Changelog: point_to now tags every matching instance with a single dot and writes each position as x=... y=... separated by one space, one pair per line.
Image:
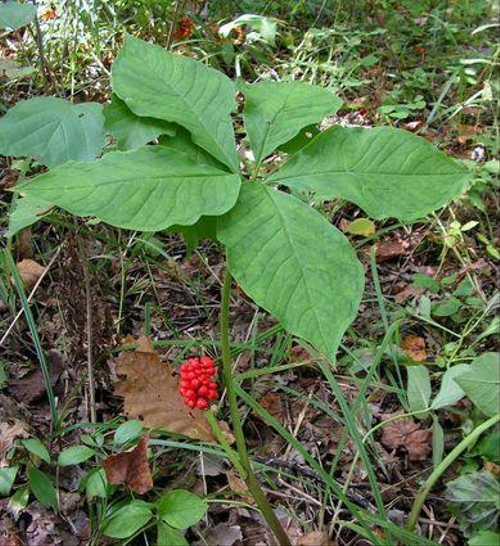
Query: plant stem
x=250 y=478
x=468 y=441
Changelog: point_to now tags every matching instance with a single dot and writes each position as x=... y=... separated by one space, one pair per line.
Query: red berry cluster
x=198 y=386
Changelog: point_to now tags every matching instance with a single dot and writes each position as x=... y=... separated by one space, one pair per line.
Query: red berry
x=202 y=404
x=213 y=395
x=197 y=385
x=203 y=391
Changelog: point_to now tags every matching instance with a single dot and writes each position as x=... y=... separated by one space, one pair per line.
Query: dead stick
x=90 y=359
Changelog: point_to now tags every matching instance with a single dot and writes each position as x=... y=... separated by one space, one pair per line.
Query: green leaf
x=492 y=329
x=447 y=308
x=475 y=498
x=387 y=172
x=158 y=84
x=133 y=131
x=7 y=479
x=127 y=432
x=128 y=519
x=450 y=391
x=14 y=15
x=168 y=536
x=52 y=131
x=428 y=283
x=96 y=484
x=437 y=441
x=361 y=226
x=419 y=388
x=183 y=142
x=75 y=455
x=275 y=112
x=42 y=487
x=4 y=378
x=465 y=288
x=147 y=189
x=19 y=501
x=33 y=445
x=181 y=509
x=303 y=137
x=485 y=538
x=11 y=70
x=481 y=383
x=27 y=211
x=205 y=228
x=294 y=263
x=489 y=447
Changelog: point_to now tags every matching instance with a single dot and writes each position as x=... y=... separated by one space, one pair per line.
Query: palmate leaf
x=292 y=262
x=52 y=131
x=387 y=172
x=147 y=189
x=158 y=84
x=133 y=131
x=275 y=112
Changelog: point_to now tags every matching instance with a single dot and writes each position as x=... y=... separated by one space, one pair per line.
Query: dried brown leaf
x=8 y=435
x=30 y=271
x=10 y=538
x=30 y=388
x=492 y=468
x=222 y=535
x=239 y=487
x=389 y=249
x=408 y=435
x=414 y=347
x=150 y=393
x=131 y=468
x=273 y=404
x=407 y=293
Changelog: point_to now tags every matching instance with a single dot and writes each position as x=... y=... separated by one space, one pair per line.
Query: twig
x=90 y=359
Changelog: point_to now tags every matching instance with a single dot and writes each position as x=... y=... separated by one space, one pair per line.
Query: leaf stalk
x=249 y=476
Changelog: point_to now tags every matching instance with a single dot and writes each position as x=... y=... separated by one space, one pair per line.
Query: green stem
x=250 y=478
x=229 y=451
x=445 y=463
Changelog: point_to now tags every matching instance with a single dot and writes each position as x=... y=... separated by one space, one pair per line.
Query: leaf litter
x=149 y=388
x=131 y=468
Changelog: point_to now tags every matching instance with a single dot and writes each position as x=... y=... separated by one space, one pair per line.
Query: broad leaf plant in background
x=174 y=164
